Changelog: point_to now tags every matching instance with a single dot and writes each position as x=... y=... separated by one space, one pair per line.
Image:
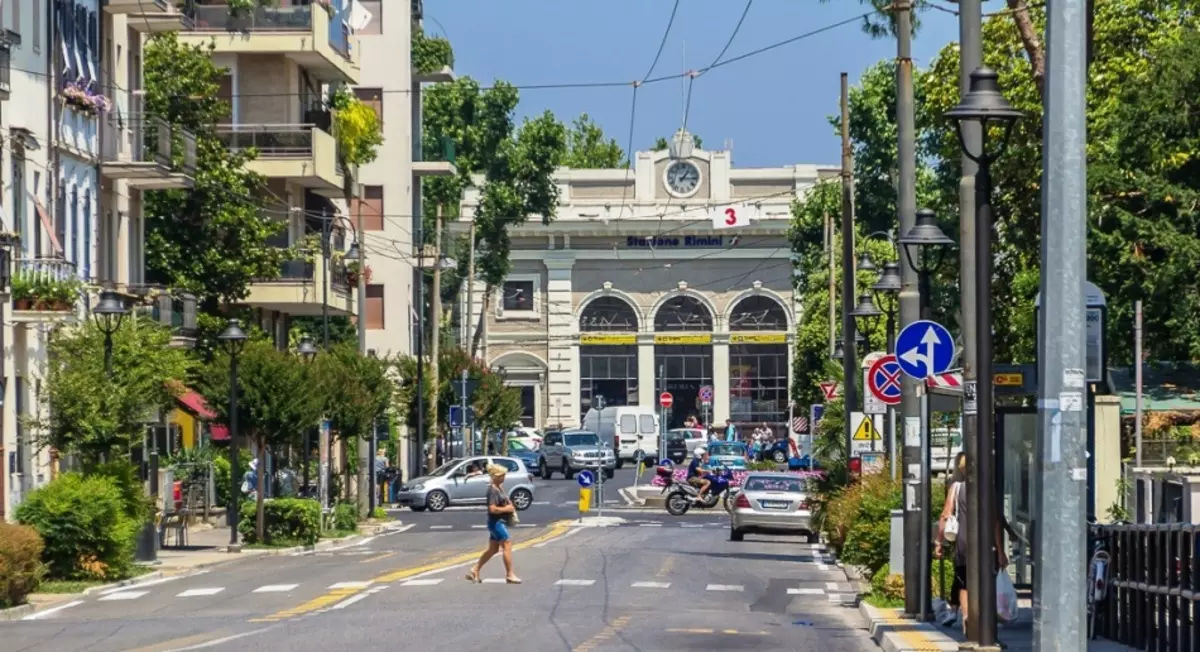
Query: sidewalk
x=894 y=633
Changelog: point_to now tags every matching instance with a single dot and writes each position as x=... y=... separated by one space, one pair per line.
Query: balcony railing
x=5 y=67
x=46 y=269
x=217 y=16
x=45 y=284
x=157 y=140
x=177 y=312
x=270 y=141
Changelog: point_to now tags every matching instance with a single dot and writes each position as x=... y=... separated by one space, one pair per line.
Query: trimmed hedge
x=345 y=516
x=86 y=526
x=21 y=566
x=289 y=521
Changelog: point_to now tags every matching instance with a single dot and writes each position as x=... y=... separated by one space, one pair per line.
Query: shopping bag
x=1007 y=609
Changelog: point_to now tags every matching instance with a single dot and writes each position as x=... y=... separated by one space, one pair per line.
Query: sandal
x=473 y=577
x=512 y=580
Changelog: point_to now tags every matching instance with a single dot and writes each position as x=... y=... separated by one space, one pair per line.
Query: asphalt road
x=651 y=585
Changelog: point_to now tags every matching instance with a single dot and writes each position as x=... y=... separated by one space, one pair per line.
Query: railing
x=46 y=269
x=5 y=68
x=154 y=139
x=270 y=141
x=214 y=16
x=1153 y=598
x=177 y=312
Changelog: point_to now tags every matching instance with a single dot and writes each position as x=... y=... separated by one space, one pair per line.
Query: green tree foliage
x=496 y=406
x=356 y=389
x=277 y=400
x=430 y=53
x=589 y=148
x=94 y=415
x=212 y=239
x=493 y=402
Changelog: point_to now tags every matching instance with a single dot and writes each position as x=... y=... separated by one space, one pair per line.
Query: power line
x=663 y=43
x=732 y=36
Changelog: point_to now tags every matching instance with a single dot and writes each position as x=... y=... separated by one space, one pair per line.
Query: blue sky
x=772 y=106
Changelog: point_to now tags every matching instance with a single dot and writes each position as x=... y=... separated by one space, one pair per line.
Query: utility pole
x=916 y=521
x=849 y=346
x=435 y=318
x=1137 y=382
x=468 y=320
x=1061 y=534
x=832 y=283
x=970 y=37
x=363 y=452
x=418 y=460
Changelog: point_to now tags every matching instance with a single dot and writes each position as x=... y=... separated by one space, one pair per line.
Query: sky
x=772 y=107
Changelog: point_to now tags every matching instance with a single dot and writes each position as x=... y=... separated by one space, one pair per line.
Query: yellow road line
x=605 y=634
x=319 y=602
x=186 y=641
x=383 y=556
x=556 y=530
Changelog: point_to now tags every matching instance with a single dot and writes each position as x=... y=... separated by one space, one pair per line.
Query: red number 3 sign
x=728 y=217
x=731 y=217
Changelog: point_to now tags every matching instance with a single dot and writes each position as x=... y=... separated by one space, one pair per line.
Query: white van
x=630 y=428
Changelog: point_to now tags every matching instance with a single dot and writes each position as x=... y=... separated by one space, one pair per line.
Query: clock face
x=683 y=178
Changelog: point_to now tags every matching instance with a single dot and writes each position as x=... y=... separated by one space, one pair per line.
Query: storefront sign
x=683 y=339
x=1009 y=380
x=670 y=242
x=758 y=338
x=594 y=339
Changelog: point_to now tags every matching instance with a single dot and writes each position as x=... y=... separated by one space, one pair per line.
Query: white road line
x=493 y=580
x=575 y=582
x=650 y=525
x=822 y=567
x=195 y=593
x=352 y=544
x=527 y=525
x=350 y=585
x=349 y=601
x=138 y=585
x=540 y=502
x=222 y=641
x=429 y=582
x=275 y=588
x=441 y=527
x=691 y=525
x=52 y=610
x=806 y=592
x=651 y=585
x=832 y=586
x=124 y=595
x=478 y=527
x=402 y=528
x=725 y=587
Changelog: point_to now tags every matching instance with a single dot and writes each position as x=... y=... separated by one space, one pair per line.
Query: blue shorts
x=498 y=530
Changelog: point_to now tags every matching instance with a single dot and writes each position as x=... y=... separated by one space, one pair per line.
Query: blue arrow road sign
x=586 y=479
x=924 y=348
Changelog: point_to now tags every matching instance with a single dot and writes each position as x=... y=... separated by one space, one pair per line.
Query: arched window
x=683 y=313
x=608 y=314
x=758 y=313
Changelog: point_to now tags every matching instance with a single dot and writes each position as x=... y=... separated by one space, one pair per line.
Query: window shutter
x=372 y=208
x=87 y=236
x=375 y=307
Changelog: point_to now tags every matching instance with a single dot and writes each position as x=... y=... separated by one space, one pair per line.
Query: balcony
x=304 y=154
x=44 y=289
x=438 y=161
x=8 y=39
x=149 y=16
x=148 y=152
x=307 y=34
x=298 y=290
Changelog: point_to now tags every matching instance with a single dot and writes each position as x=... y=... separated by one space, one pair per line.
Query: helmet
x=700 y=451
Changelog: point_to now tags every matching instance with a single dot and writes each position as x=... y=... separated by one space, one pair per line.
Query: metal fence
x=1153 y=601
x=271 y=141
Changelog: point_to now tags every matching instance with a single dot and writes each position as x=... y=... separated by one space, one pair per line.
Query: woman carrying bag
x=950 y=529
x=501 y=514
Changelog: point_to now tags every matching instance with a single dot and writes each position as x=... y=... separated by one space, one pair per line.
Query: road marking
x=124 y=595
x=195 y=593
x=725 y=587
x=806 y=591
x=138 y=585
x=350 y=585
x=53 y=610
x=832 y=586
x=691 y=525
x=822 y=567
x=575 y=582
x=731 y=632
x=604 y=634
x=222 y=641
x=478 y=527
x=349 y=601
x=275 y=588
x=558 y=530
x=378 y=557
x=186 y=640
x=494 y=580
x=527 y=525
x=319 y=602
x=650 y=525
x=429 y=582
x=651 y=585
x=441 y=527
x=540 y=502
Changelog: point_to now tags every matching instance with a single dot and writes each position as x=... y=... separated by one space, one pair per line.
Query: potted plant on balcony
x=44 y=293
x=78 y=95
x=352 y=271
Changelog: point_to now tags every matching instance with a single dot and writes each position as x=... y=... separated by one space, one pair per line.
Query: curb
x=894 y=633
x=16 y=613
x=133 y=581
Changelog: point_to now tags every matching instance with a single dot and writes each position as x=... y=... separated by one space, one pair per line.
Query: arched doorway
x=683 y=355
x=608 y=358
x=758 y=362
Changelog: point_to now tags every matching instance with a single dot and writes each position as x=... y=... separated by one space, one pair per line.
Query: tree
x=99 y=416
x=451 y=363
x=277 y=400
x=588 y=148
x=496 y=406
x=662 y=143
x=214 y=238
x=517 y=166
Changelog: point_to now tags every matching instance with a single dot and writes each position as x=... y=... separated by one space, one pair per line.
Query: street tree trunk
x=1033 y=45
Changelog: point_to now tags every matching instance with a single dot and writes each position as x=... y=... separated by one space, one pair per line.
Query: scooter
x=681 y=496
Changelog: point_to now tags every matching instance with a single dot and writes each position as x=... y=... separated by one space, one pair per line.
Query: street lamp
x=233 y=338
x=865 y=313
x=983 y=104
x=839 y=349
x=886 y=290
x=925 y=245
x=865 y=264
x=109 y=312
x=306 y=349
x=307 y=352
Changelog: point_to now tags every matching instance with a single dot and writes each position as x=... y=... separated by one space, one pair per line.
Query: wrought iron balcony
x=44 y=286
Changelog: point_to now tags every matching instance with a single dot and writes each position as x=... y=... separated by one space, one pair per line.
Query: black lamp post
x=866 y=313
x=307 y=352
x=839 y=349
x=109 y=312
x=886 y=290
x=983 y=104
x=233 y=338
x=925 y=246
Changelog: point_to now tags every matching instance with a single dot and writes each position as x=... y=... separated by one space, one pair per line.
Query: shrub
x=761 y=466
x=380 y=514
x=289 y=521
x=86 y=527
x=886 y=585
x=221 y=482
x=124 y=476
x=867 y=542
x=345 y=516
x=21 y=566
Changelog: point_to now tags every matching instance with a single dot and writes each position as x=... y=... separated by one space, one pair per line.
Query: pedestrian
x=956 y=506
x=501 y=513
x=730 y=430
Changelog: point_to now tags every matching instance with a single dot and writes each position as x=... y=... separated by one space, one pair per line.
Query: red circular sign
x=665 y=399
x=883 y=380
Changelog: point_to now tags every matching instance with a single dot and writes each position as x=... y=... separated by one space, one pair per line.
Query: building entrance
x=683 y=356
x=608 y=361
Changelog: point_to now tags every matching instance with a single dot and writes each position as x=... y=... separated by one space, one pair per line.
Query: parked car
x=681 y=442
x=450 y=484
x=530 y=437
x=728 y=453
x=632 y=430
x=772 y=503
x=571 y=451
x=522 y=451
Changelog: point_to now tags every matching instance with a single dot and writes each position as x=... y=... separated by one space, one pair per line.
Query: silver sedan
x=772 y=503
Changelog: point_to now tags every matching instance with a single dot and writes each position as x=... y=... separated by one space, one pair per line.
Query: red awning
x=195 y=403
x=218 y=432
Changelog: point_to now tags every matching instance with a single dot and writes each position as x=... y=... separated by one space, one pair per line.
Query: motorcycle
x=681 y=496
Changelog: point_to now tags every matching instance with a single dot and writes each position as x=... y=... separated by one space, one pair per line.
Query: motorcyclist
x=697 y=474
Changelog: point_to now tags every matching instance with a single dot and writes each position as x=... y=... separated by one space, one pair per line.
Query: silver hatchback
x=454 y=483
x=772 y=503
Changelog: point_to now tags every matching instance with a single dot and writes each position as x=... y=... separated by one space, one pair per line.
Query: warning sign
x=866 y=431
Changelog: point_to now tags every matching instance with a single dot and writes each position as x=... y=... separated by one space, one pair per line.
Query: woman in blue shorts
x=500 y=514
